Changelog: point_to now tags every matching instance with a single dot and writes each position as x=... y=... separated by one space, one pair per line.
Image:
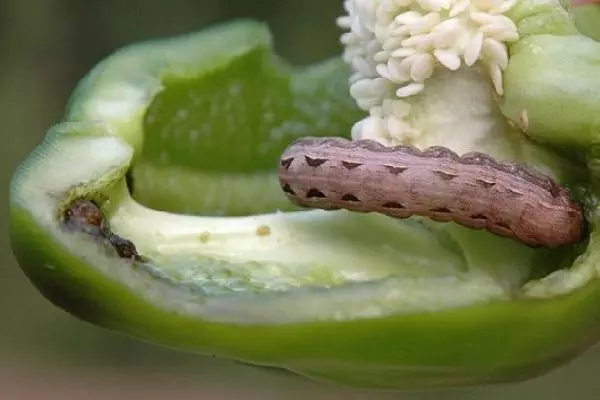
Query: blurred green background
x=46 y=47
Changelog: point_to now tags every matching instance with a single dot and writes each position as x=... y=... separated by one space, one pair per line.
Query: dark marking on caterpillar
x=503 y=225
x=484 y=183
x=286 y=162
x=396 y=169
x=288 y=189
x=478 y=216
x=445 y=175
x=315 y=193
x=514 y=193
x=476 y=191
x=392 y=204
x=314 y=162
x=349 y=197
x=350 y=165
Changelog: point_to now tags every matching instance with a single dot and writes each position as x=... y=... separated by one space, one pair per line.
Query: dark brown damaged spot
x=125 y=248
x=443 y=210
x=85 y=216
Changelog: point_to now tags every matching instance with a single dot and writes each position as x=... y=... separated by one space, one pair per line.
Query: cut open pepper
x=177 y=142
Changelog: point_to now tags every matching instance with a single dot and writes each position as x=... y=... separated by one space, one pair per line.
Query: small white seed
x=496 y=76
x=422 y=67
x=393 y=43
x=384 y=71
x=403 y=52
x=381 y=56
x=425 y=24
x=448 y=58
x=496 y=52
x=473 y=50
x=433 y=5
x=363 y=66
x=377 y=111
x=504 y=7
x=362 y=88
x=500 y=33
x=344 y=22
x=400 y=70
x=372 y=127
x=408 y=17
x=481 y=18
x=418 y=40
x=410 y=90
x=446 y=33
x=459 y=7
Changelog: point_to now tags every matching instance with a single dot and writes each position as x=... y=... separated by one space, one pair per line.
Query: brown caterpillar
x=473 y=190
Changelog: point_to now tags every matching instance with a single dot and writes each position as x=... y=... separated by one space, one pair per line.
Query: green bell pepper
x=177 y=142
x=587 y=14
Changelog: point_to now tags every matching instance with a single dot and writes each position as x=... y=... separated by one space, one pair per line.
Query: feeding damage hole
x=85 y=216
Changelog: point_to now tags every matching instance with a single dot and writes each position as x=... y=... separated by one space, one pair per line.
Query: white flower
x=394 y=46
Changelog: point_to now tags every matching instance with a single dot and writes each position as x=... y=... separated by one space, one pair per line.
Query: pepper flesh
x=405 y=305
